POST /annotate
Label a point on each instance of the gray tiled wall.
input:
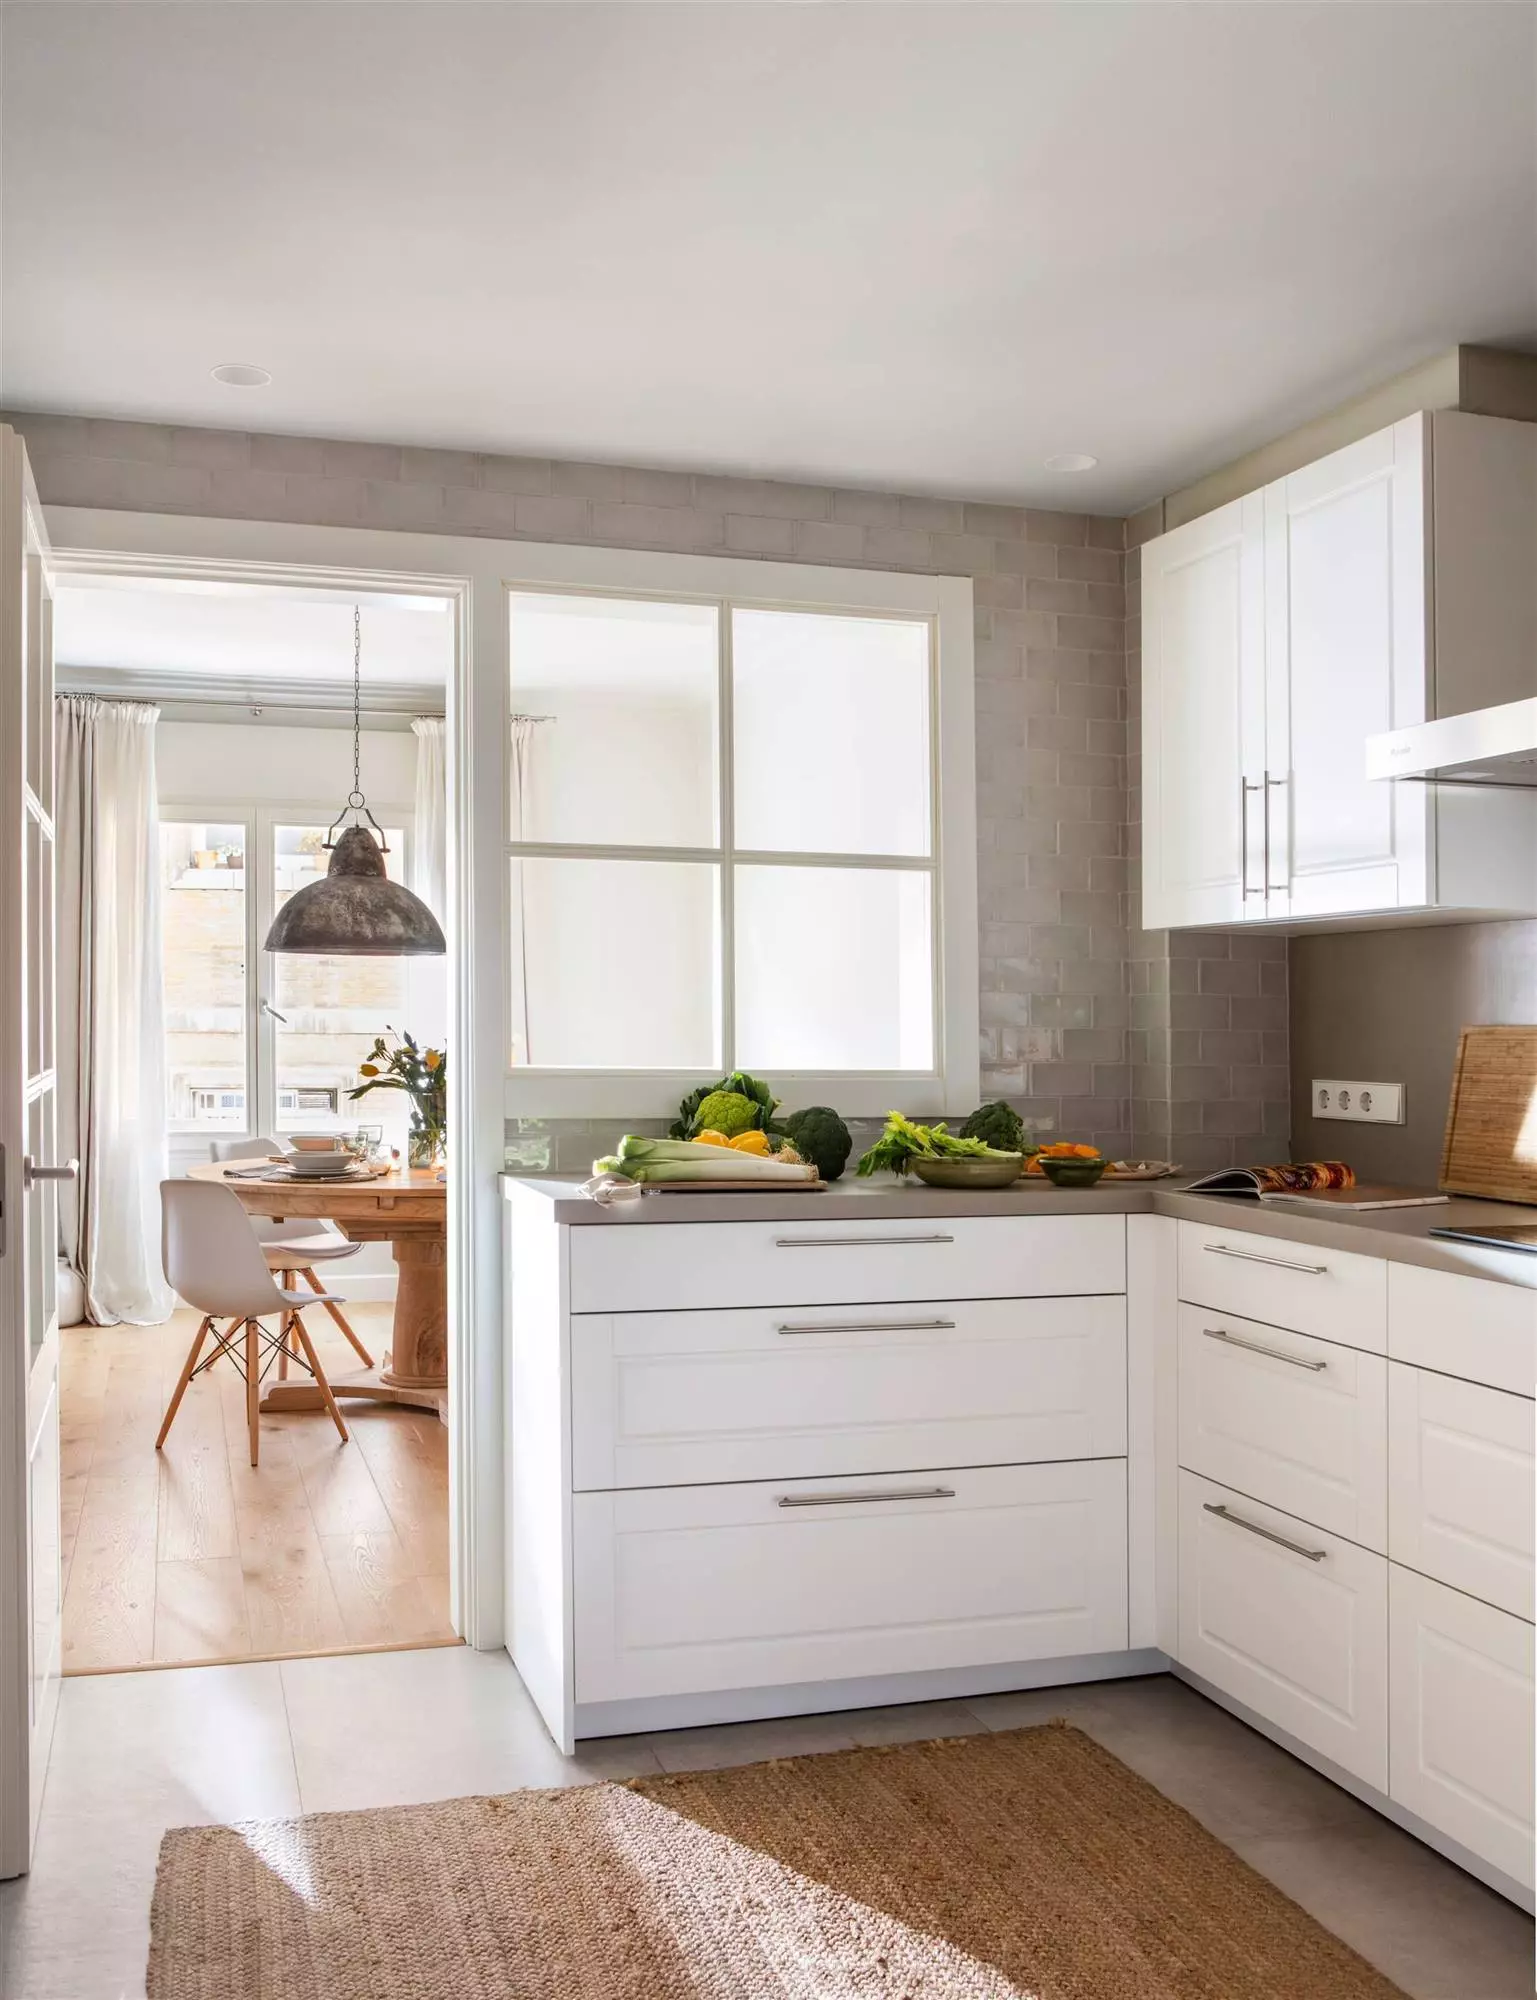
(1063, 977)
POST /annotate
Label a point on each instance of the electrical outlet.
(1364, 1103)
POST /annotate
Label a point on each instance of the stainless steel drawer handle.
(1313, 1555)
(868, 1326)
(1254, 1347)
(842, 1242)
(857, 1499)
(1254, 1257)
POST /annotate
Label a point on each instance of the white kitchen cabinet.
(1332, 1294)
(1372, 576)
(1298, 1423)
(667, 1399)
(1461, 1719)
(689, 1589)
(1460, 1492)
(1464, 1326)
(1288, 1620)
(1203, 718)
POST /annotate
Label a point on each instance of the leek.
(641, 1159)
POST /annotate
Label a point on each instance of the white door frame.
(470, 574)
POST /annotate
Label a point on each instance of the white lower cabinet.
(1460, 1494)
(1461, 1719)
(685, 1589)
(1287, 1619)
(1297, 1422)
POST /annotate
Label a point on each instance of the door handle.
(1254, 1347)
(1254, 1257)
(32, 1173)
(1244, 789)
(1274, 784)
(857, 1499)
(842, 1242)
(1254, 1528)
(267, 1007)
(867, 1326)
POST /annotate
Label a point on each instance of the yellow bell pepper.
(750, 1142)
(711, 1139)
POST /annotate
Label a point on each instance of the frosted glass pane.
(834, 969)
(625, 748)
(614, 964)
(831, 733)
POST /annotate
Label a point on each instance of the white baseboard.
(690, 1711)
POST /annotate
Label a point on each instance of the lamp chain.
(356, 799)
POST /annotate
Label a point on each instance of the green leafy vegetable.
(762, 1104)
(902, 1142)
(1000, 1125)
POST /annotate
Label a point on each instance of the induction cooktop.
(1496, 1235)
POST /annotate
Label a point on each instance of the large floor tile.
(394, 1728)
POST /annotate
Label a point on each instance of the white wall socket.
(1365, 1103)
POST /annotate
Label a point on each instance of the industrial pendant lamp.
(355, 910)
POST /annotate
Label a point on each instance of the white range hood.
(1487, 746)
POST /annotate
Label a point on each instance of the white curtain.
(429, 857)
(111, 1015)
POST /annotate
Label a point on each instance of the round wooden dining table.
(406, 1208)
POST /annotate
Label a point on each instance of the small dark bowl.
(1073, 1173)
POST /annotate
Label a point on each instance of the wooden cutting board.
(1491, 1123)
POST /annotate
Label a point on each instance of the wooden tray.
(1491, 1123)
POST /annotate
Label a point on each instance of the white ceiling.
(230, 632)
(918, 246)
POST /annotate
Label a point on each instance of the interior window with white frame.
(727, 845)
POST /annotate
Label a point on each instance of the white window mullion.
(727, 835)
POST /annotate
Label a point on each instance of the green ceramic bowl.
(970, 1173)
(1073, 1173)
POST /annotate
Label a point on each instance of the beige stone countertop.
(1402, 1235)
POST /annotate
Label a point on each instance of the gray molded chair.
(216, 1264)
(295, 1247)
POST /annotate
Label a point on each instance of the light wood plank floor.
(190, 1555)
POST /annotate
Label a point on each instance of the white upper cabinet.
(1203, 717)
(1377, 588)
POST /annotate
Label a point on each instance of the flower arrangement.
(423, 1075)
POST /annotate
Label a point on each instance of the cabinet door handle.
(1254, 1528)
(844, 1242)
(1244, 789)
(1254, 1347)
(1274, 784)
(868, 1326)
(853, 1499)
(1254, 1257)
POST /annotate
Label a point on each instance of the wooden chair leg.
(252, 1387)
(341, 1319)
(320, 1376)
(186, 1376)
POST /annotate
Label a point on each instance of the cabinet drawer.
(666, 1399)
(637, 1267)
(1473, 1327)
(1298, 1423)
(1330, 1293)
(1295, 1627)
(694, 1588)
(1460, 1466)
(1462, 1694)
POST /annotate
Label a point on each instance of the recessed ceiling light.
(241, 375)
(1071, 461)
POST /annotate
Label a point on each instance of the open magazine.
(1315, 1183)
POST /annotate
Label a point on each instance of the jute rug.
(1022, 1866)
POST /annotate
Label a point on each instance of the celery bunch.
(902, 1142)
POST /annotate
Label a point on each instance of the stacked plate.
(335, 1165)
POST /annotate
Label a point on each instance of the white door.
(1346, 619)
(1203, 719)
(30, 1569)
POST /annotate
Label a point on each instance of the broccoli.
(999, 1126)
(818, 1134)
